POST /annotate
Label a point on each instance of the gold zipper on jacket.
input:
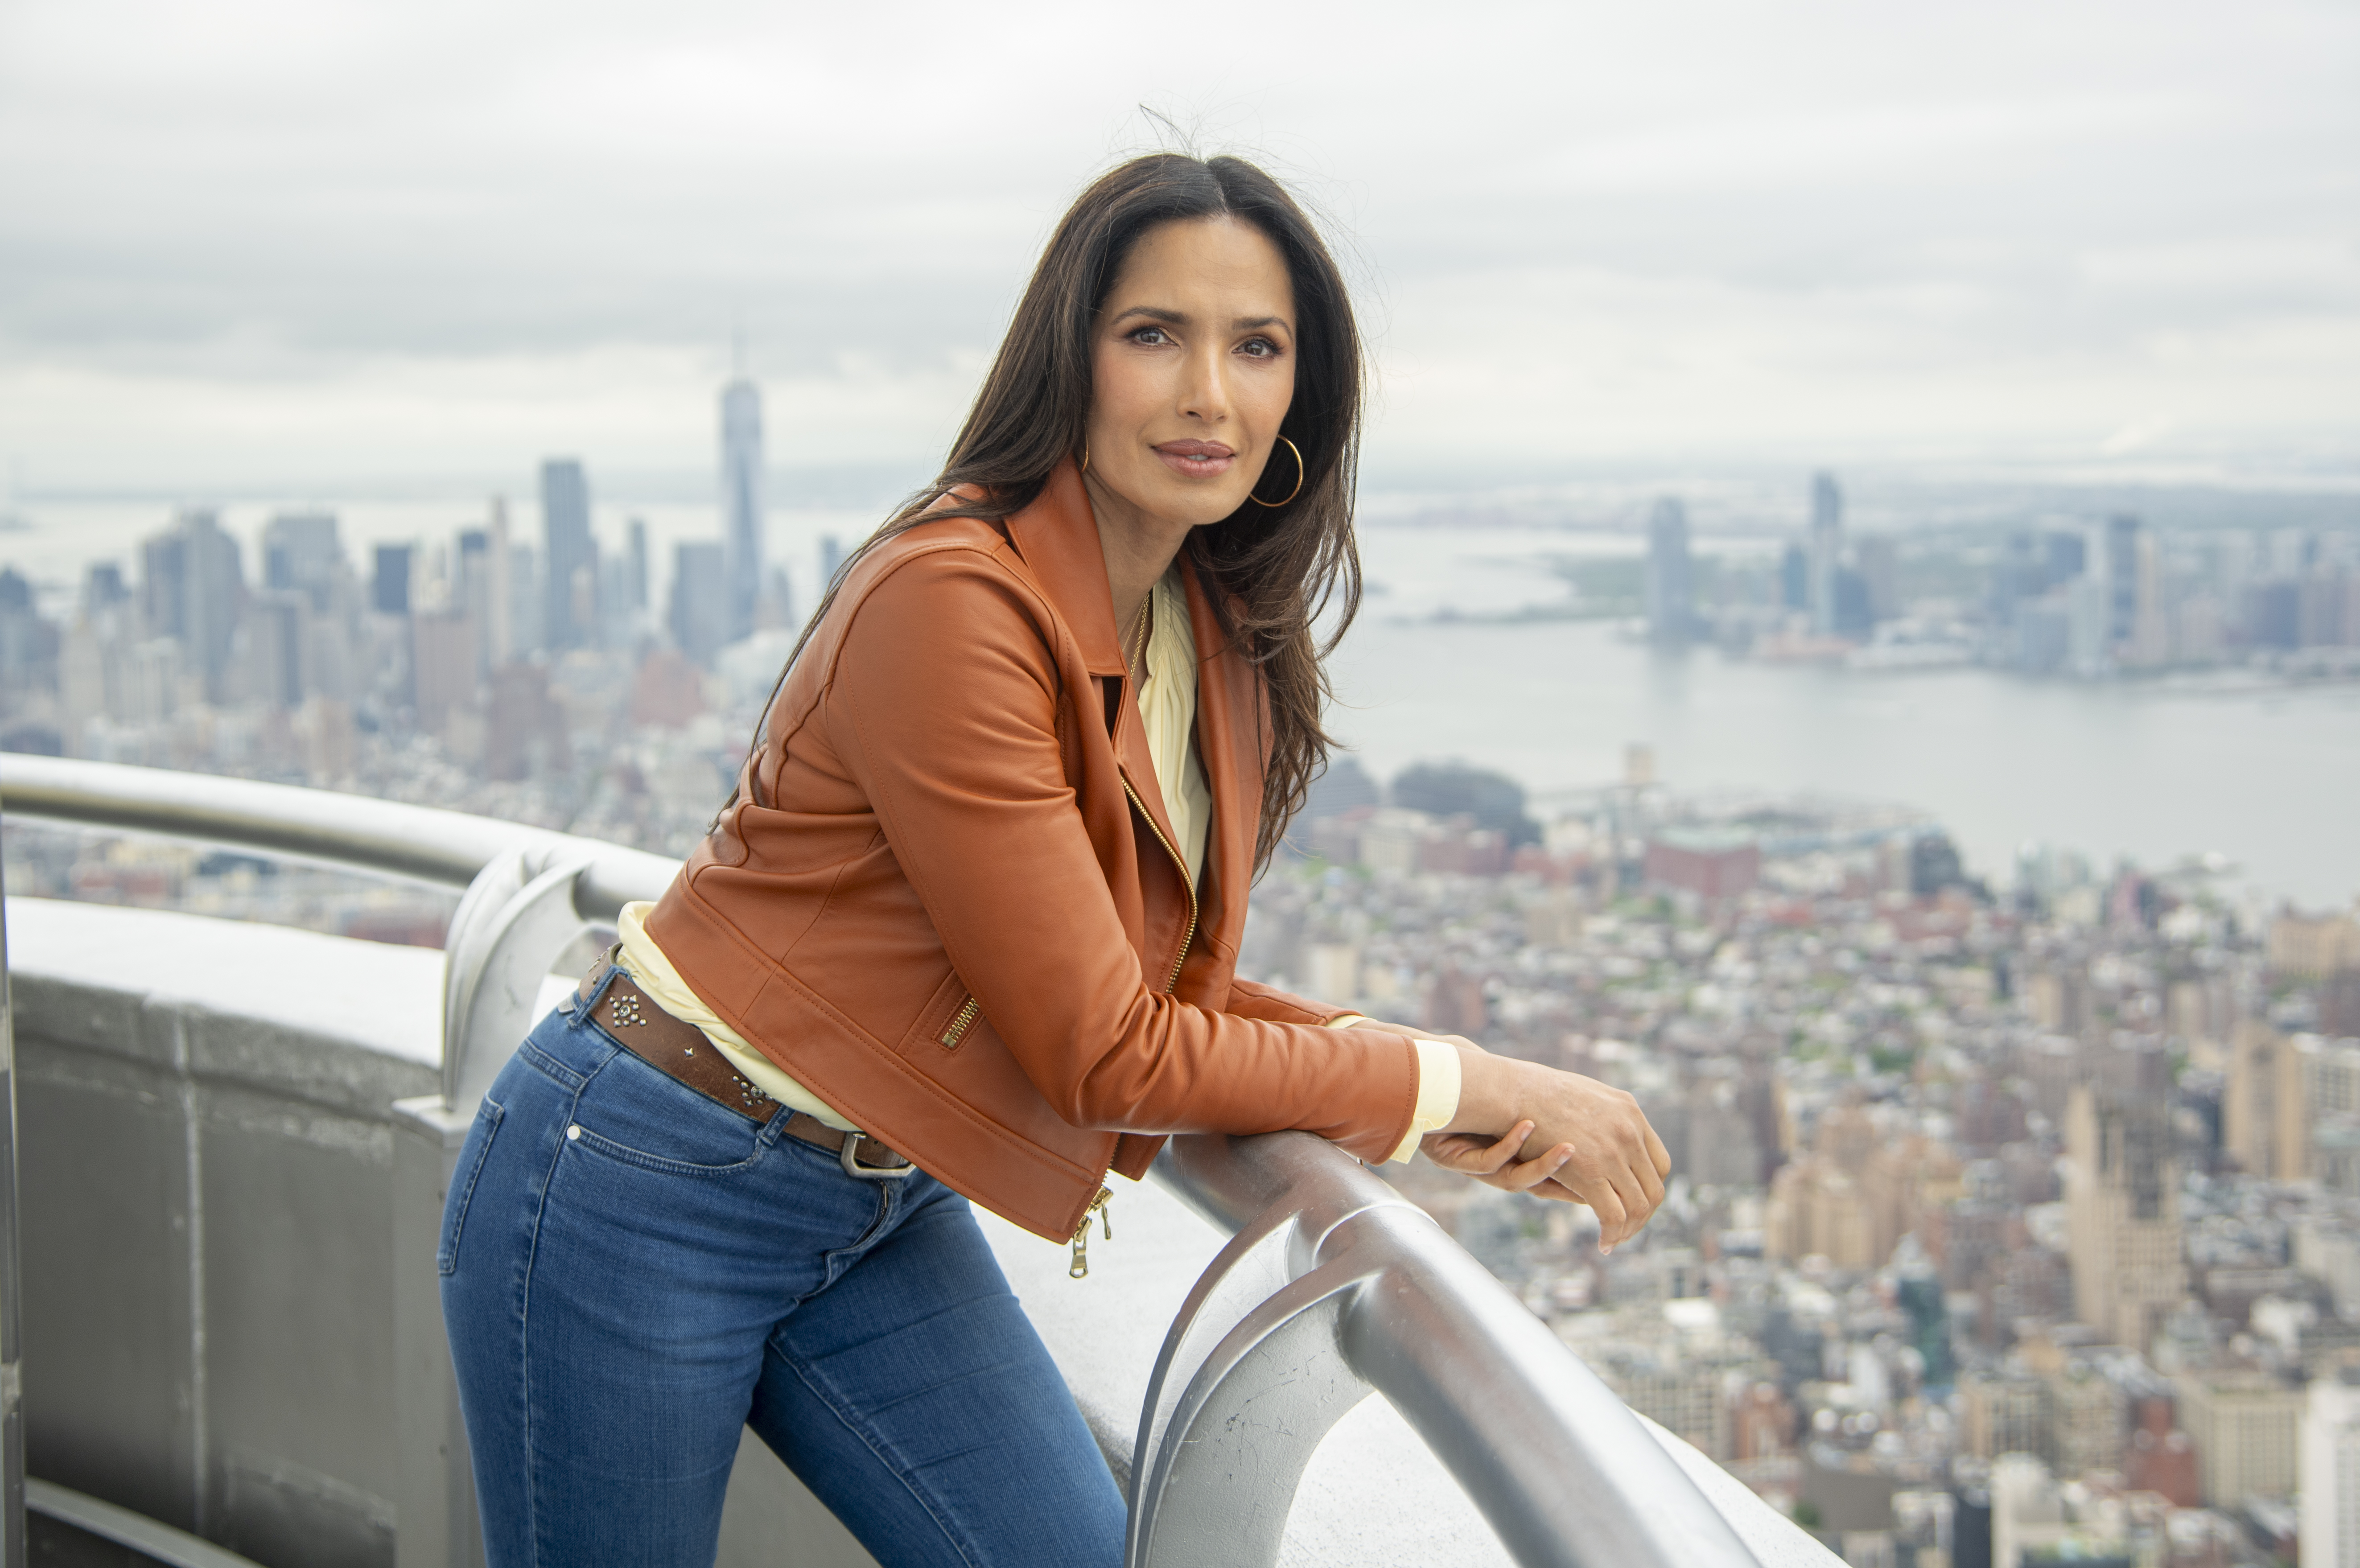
(1080, 1268)
(1181, 957)
(953, 1035)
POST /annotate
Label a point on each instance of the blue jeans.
(632, 1273)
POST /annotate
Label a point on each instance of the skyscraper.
(2329, 1473)
(1826, 551)
(2121, 558)
(2122, 1198)
(741, 499)
(278, 631)
(571, 556)
(389, 582)
(638, 558)
(499, 629)
(192, 589)
(301, 551)
(700, 598)
(1671, 588)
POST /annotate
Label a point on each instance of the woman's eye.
(1151, 336)
(1259, 348)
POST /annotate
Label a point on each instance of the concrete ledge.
(92, 968)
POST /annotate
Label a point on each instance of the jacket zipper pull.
(1080, 1268)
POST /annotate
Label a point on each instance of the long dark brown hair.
(1270, 572)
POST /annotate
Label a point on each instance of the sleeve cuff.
(1437, 1087)
(1437, 1093)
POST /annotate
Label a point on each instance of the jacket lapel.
(1057, 535)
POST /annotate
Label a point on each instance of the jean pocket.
(470, 1166)
(634, 1112)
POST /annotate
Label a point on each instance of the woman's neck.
(1139, 548)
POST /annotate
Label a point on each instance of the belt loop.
(584, 1000)
(776, 1128)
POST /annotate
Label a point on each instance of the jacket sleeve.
(1252, 999)
(944, 705)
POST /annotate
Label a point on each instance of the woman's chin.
(1196, 502)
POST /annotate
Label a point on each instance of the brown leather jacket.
(946, 900)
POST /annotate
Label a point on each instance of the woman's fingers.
(1634, 1199)
(1469, 1155)
(1658, 1155)
(1556, 1192)
(1502, 1154)
(1525, 1176)
(1613, 1218)
(1651, 1184)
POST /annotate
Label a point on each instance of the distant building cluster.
(520, 674)
(2074, 598)
(2006, 1230)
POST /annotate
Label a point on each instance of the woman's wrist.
(1487, 1092)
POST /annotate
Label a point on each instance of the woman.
(966, 930)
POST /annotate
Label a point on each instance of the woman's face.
(1192, 370)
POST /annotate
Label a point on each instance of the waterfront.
(2267, 776)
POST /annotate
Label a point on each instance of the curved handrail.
(422, 844)
(153, 1541)
(1538, 1441)
(1529, 1431)
(499, 942)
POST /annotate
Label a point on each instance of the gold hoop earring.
(1086, 454)
(1291, 494)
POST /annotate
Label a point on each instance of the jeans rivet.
(573, 1131)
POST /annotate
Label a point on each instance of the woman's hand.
(1496, 1165)
(1533, 1128)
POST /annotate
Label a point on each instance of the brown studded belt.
(678, 1049)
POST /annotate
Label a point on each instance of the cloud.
(256, 236)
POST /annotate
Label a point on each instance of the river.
(2269, 777)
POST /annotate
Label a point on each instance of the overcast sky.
(253, 242)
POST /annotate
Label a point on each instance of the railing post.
(517, 916)
(437, 1499)
(12, 1320)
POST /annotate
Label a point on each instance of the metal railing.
(1331, 1287)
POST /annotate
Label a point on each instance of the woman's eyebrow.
(1180, 318)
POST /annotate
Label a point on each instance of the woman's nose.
(1205, 394)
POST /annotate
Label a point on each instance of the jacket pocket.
(949, 1038)
(950, 1012)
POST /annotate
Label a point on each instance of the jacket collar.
(1057, 535)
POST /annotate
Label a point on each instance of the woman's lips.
(1197, 458)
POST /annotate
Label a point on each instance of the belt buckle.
(860, 1172)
